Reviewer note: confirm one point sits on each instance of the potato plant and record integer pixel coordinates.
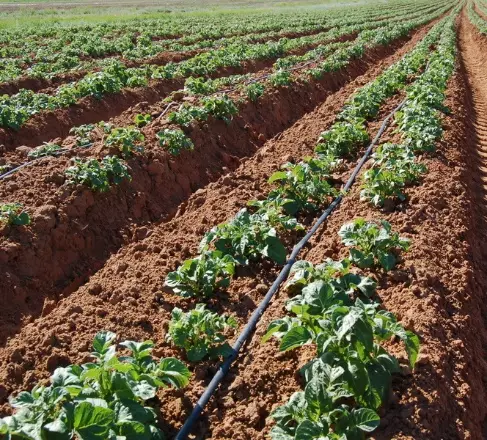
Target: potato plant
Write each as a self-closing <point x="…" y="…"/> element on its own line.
<point x="98" y="175"/>
<point x="200" y="332"/>
<point x="174" y="141"/>
<point x="103" y="399"/>
<point x="372" y="244"/>
<point x="13" y="214"/>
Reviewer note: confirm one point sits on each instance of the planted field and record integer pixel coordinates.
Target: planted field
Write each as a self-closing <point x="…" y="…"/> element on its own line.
<point x="246" y="225"/>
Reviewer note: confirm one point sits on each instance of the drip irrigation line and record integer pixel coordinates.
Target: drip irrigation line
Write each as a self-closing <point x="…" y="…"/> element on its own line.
<point x="257" y="314"/>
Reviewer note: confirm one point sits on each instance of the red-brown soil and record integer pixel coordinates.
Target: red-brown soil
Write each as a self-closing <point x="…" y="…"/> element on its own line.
<point x="72" y="235"/>
<point x="436" y="290"/>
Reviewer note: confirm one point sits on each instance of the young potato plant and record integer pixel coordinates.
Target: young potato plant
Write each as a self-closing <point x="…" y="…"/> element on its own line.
<point x="98" y="175"/>
<point x="221" y="107"/>
<point x="141" y="120"/>
<point x="126" y="139"/>
<point x="280" y="78"/>
<point x="351" y="376"/>
<point x="395" y="167"/>
<point x="48" y="149"/>
<point x="302" y="187"/>
<point x="202" y="275"/>
<point x="420" y="125"/>
<point x="104" y="399"/>
<point x="254" y="91"/>
<point x="336" y="274"/>
<point x="84" y="135"/>
<point x="199" y="86"/>
<point x="174" y="141"/>
<point x="200" y="332"/>
<point x="186" y="114"/>
<point x="271" y="210"/>
<point x="343" y="139"/>
<point x="382" y="184"/>
<point x="247" y="237"/>
<point x="13" y="214"/>
<point x="5" y="168"/>
<point x="372" y="244"/>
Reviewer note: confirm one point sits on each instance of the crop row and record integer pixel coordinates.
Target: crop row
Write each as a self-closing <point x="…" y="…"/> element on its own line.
<point x="16" y="109"/>
<point x="334" y="310"/>
<point x="129" y="140"/>
<point x="475" y="18"/>
<point x="82" y="52"/>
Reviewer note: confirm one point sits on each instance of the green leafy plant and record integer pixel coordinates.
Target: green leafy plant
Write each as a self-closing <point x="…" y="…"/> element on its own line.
<point x="221" y="107"/>
<point x="381" y="184"/>
<point x="141" y="120"/>
<point x="247" y="237"/>
<point x="48" y="149"/>
<point x="5" y="168"/>
<point x="280" y="78"/>
<point x="98" y="175"/>
<point x="84" y="135"/>
<point x="372" y="244"/>
<point x="174" y="141"/>
<point x="342" y="139"/>
<point x="186" y="114"/>
<point x="200" y="333"/>
<point x="202" y="275"/>
<point x="101" y="400"/>
<point x="302" y="187"/>
<point x="254" y="91"/>
<point x="13" y="214"/>
<point x="126" y="139"/>
<point x="336" y="274"/>
<point x="199" y="86"/>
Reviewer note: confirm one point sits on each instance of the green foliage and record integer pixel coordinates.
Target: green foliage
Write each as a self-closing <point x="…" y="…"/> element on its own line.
<point x="98" y="175"/>
<point x="280" y="78"/>
<point x="141" y="120"/>
<point x="102" y="400"/>
<point x="48" y="149"/>
<point x="247" y="237"/>
<point x="13" y="214"/>
<point x="372" y="244"/>
<point x="337" y="274"/>
<point x="174" y="141"/>
<point x="381" y="184"/>
<point x="187" y="114"/>
<point x="84" y="135"/>
<point x="202" y="275"/>
<point x="5" y="168"/>
<point x="126" y="139"/>
<point x="221" y="107"/>
<point x="352" y="371"/>
<point x="200" y="332"/>
<point x="343" y="139"/>
<point x="199" y="86"/>
<point x="302" y="186"/>
<point x="254" y="91"/>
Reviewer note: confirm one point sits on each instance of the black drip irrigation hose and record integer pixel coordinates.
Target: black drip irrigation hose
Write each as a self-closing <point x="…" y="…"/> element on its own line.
<point x="254" y="319"/>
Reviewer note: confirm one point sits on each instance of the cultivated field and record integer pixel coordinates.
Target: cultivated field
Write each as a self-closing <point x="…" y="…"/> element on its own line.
<point x="269" y="221"/>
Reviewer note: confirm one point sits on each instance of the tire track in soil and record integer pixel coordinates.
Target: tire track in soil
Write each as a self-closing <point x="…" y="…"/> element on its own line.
<point x="126" y="296"/>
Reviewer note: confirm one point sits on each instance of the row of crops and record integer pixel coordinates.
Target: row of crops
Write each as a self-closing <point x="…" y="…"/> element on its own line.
<point x="85" y="48"/>
<point x="16" y="109"/>
<point x="334" y="306"/>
